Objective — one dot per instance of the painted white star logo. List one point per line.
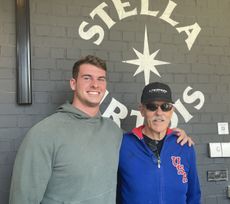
(146, 61)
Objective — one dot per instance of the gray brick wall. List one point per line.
(56, 45)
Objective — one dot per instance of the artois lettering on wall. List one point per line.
(147, 61)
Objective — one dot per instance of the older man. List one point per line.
(153, 168)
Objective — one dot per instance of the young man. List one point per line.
(72, 155)
(152, 167)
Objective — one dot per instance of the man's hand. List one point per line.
(183, 138)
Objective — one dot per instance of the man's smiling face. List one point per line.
(89, 86)
(157, 121)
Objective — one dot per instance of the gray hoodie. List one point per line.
(67, 158)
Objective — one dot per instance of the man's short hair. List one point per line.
(89, 59)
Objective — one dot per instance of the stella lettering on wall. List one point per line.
(146, 60)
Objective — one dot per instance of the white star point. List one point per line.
(146, 61)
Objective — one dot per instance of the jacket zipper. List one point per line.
(158, 161)
(155, 153)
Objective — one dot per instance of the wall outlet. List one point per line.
(215, 150)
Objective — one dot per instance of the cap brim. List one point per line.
(157, 99)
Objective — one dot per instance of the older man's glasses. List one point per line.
(165, 107)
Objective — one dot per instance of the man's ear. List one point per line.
(141, 109)
(72, 83)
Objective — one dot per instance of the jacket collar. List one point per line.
(138, 131)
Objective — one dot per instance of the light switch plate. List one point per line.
(215, 150)
(225, 149)
(223, 128)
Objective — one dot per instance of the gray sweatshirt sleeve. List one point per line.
(32, 170)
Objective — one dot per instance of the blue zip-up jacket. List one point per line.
(142, 179)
